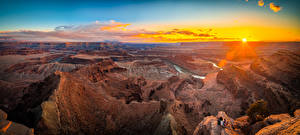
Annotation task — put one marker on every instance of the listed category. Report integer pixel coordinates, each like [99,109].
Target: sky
[149,20]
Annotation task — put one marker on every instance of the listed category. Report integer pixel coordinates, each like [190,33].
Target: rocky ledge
[278,124]
[11,128]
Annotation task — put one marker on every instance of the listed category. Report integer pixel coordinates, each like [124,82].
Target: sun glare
[244,40]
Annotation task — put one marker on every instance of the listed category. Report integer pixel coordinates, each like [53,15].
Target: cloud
[115,26]
[110,31]
[97,31]
[63,28]
[261,3]
[181,35]
[274,7]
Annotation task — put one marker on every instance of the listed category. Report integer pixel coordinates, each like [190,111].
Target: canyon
[122,88]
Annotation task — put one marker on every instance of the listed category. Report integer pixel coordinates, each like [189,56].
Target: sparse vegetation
[258,111]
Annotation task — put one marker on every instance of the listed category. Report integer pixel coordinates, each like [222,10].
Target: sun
[244,40]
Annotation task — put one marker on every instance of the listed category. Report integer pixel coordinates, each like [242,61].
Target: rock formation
[282,124]
[209,126]
[268,79]
[11,128]
[131,93]
[279,124]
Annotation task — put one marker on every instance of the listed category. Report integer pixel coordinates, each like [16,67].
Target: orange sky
[252,26]
[232,33]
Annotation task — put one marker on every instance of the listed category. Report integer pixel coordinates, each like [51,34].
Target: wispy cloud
[115,26]
[274,7]
[182,35]
[111,31]
[97,31]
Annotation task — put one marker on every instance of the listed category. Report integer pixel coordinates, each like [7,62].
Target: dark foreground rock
[11,128]
[283,125]
[210,126]
[278,124]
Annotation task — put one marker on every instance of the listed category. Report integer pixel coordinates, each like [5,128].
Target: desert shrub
[258,111]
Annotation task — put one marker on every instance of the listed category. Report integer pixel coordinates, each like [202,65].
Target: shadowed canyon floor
[103,88]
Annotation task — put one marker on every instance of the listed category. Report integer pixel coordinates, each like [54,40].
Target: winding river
[181,71]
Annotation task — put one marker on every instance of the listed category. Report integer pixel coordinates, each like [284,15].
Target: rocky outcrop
[153,70]
[241,122]
[64,104]
[273,124]
[281,124]
[267,79]
[28,110]
[297,113]
[9,95]
[23,51]
[80,108]
[11,128]
[270,120]
[27,66]
[282,67]
[109,102]
[209,126]
[96,72]
[169,126]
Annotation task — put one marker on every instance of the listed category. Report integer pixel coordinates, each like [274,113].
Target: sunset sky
[150,20]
